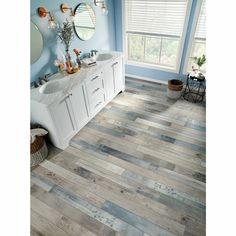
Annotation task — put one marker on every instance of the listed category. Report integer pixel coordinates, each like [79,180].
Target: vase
[69,67]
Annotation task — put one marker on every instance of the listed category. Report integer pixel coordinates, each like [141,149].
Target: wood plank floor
[138,168]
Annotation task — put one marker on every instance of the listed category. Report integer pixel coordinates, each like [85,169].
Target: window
[154,30]
[199,41]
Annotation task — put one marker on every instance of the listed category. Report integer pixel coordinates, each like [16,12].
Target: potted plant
[200,61]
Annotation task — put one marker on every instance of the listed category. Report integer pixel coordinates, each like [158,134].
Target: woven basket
[176,85]
[38,151]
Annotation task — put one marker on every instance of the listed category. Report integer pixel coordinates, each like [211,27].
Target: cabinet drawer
[94,86]
[97,101]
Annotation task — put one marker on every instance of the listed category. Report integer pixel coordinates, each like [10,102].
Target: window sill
[151,66]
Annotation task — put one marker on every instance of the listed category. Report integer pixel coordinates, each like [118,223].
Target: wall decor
[36,43]
[84,21]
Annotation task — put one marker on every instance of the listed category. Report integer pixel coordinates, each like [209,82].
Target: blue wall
[145,72]
[103,39]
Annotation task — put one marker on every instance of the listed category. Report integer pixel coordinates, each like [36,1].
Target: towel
[89,62]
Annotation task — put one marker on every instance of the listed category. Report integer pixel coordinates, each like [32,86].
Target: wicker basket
[38,151]
[174,89]
[175,84]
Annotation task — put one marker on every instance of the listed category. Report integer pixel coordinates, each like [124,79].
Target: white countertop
[73,79]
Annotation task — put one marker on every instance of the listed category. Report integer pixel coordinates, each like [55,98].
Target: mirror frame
[40,33]
[83,3]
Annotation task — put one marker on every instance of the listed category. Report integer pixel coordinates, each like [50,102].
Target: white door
[109,84]
[118,75]
[63,119]
[79,106]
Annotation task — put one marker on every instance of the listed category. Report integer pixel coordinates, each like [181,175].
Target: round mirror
[36,43]
[84,21]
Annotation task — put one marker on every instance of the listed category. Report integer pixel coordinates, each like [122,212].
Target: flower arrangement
[59,64]
[65,34]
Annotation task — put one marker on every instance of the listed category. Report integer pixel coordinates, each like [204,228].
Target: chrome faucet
[34,84]
[41,80]
[93,52]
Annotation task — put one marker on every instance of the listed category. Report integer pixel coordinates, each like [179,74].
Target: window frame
[192,36]
[156,66]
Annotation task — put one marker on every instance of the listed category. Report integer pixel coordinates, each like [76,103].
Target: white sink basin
[53,86]
[104,57]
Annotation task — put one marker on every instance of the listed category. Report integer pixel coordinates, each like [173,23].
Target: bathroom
[113,135]
[113,106]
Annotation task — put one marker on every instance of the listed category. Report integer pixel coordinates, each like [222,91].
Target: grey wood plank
[61,221]
[96,213]
[43,225]
[93,211]
[142,158]
[117,195]
[75,214]
[135,220]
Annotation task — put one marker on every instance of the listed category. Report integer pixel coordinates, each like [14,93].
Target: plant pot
[174,89]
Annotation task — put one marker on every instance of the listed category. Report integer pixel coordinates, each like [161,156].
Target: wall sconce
[51,22]
[103,6]
[64,8]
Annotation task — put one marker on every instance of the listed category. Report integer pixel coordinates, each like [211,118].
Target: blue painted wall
[151,73]
[103,39]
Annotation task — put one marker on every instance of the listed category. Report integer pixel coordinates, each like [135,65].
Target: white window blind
[157,17]
[201,25]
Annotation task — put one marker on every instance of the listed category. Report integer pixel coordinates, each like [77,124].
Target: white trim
[192,33]
[184,35]
[181,46]
[146,79]
[124,46]
[151,66]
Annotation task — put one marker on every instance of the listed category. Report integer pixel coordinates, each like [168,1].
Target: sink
[53,86]
[104,57]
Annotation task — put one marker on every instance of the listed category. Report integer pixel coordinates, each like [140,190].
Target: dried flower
[57,62]
[65,34]
[76,51]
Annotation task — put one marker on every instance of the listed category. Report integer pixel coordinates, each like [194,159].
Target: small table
[195,87]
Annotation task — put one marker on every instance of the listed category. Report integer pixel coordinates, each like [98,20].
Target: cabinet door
[63,119]
[109,84]
[79,106]
[118,75]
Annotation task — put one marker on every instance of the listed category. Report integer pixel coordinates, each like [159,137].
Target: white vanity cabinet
[79,105]
[117,66]
[64,113]
[109,84]
[95,92]
[62,116]
[113,78]
[69,114]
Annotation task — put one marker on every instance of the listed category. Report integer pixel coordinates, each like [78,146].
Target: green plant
[65,34]
[200,61]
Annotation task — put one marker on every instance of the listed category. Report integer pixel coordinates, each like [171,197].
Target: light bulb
[52,24]
[104,9]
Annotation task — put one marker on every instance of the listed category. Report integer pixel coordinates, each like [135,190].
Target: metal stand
[195,89]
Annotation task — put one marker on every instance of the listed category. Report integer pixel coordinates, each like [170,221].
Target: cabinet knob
[115,63]
[98,104]
[95,90]
[94,78]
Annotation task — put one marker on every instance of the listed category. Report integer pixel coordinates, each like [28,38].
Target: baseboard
[147,79]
